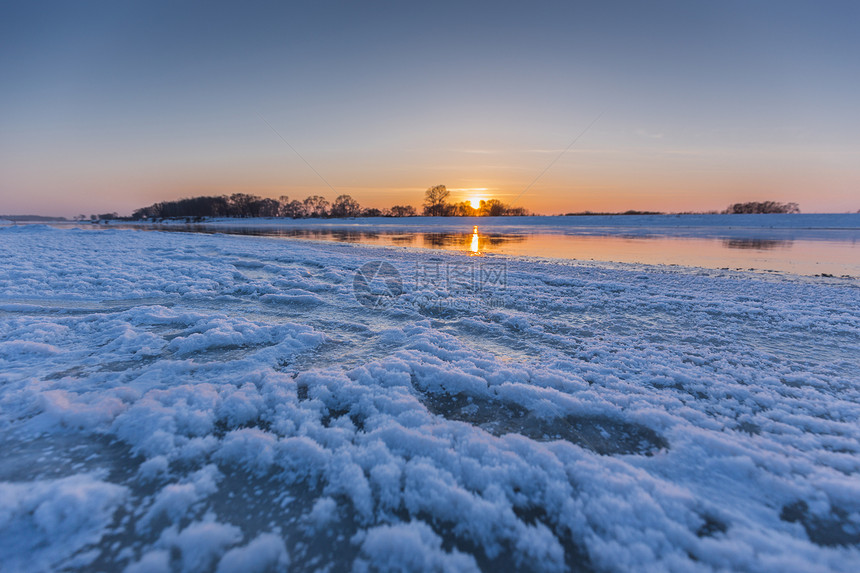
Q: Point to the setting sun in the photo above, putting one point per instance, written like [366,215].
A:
[645,355]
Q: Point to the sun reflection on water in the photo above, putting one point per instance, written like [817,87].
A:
[473,247]
[782,252]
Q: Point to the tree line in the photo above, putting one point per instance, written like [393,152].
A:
[243,205]
[436,204]
[761,208]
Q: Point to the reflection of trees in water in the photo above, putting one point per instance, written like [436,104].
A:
[496,240]
[438,240]
[443,239]
[761,244]
[352,236]
[317,234]
[464,240]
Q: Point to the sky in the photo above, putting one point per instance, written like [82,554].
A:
[552,106]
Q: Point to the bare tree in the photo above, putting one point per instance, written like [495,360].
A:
[436,201]
[241,204]
[463,209]
[266,208]
[492,208]
[316,206]
[283,201]
[403,211]
[762,207]
[345,206]
[295,209]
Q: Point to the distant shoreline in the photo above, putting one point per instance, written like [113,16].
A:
[583,214]
[633,225]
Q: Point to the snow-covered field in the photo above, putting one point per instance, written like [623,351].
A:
[209,402]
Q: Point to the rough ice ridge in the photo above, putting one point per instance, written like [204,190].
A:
[222,403]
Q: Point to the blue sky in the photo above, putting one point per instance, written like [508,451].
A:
[110,106]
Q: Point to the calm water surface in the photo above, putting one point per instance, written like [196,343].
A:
[820,256]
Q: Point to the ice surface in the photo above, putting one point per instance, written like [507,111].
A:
[808,226]
[209,402]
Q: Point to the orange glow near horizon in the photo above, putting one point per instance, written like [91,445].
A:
[92,191]
[88,131]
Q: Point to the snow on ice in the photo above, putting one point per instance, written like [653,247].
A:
[220,403]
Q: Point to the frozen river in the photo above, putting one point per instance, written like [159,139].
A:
[203,402]
[798,244]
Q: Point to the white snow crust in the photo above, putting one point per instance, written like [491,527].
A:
[185,402]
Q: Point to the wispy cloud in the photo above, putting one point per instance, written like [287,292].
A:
[648,134]
[479,151]
[530,150]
